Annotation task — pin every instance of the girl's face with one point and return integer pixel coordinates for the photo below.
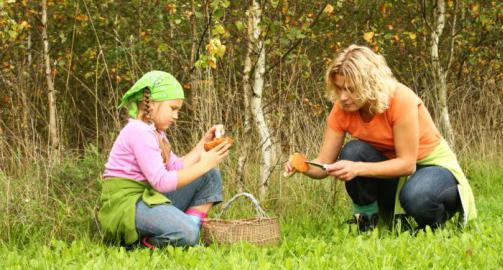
(165, 113)
(346, 94)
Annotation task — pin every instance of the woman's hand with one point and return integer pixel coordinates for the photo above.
(289, 169)
(213, 157)
(343, 169)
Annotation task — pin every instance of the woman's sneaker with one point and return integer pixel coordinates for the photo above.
(364, 222)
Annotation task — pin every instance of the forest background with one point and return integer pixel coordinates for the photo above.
(256, 66)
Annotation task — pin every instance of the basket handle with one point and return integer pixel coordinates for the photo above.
(260, 212)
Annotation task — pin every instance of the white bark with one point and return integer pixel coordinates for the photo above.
(51, 94)
(246, 93)
(256, 103)
(439, 73)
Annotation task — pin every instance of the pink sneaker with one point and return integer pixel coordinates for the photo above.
(145, 242)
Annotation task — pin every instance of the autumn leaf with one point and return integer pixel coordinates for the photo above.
(328, 9)
(382, 9)
(212, 62)
(474, 8)
(24, 24)
(81, 17)
(412, 36)
(368, 36)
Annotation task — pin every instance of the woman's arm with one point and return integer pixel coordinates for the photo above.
(329, 151)
(406, 139)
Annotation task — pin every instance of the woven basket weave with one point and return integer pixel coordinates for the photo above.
(261, 230)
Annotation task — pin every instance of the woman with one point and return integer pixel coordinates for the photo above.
(394, 136)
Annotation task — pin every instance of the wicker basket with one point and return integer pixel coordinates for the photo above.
(261, 230)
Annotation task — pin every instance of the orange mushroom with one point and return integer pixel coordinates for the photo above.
(210, 145)
(298, 161)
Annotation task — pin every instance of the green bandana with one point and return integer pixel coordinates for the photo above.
(162, 85)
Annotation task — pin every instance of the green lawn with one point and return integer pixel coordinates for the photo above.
(319, 240)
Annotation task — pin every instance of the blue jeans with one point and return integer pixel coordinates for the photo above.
(430, 195)
(168, 224)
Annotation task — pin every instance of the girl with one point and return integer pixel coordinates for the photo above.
(148, 192)
(394, 136)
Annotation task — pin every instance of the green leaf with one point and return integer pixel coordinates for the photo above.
(218, 13)
(240, 25)
(198, 14)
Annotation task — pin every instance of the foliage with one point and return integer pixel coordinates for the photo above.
(99, 48)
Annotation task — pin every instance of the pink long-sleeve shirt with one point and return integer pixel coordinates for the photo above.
(136, 155)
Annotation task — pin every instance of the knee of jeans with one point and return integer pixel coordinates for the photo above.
(190, 235)
(353, 149)
(214, 176)
(415, 204)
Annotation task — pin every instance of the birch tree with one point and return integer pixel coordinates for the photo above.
(51, 93)
(247, 96)
(256, 100)
(439, 72)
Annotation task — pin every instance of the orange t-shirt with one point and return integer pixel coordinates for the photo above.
(379, 131)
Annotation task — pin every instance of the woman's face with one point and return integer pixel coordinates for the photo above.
(346, 97)
(166, 113)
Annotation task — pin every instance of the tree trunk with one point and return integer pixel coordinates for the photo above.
(53, 128)
(2, 148)
(246, 93)
(193, 23)
(439, 74)
(23, 90)
(256, 103)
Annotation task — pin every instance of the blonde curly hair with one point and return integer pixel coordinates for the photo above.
(371, 79)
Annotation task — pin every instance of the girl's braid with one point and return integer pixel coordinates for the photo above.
(147, 117)
(147, 111)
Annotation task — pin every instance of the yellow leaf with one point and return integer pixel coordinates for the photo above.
(25, 24)
(220, 51)
(450, 3)
(212, 62)
(328, 9)
(474, 8)
(412, 36)
(368, 36)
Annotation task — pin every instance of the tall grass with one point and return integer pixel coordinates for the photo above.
(41, 203)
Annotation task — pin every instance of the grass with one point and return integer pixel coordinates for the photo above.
(58, 231)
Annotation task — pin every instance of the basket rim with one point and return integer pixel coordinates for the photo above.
(219, 220)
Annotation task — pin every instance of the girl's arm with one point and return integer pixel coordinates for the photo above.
(406, 139)
(207, 161)
(194, 155)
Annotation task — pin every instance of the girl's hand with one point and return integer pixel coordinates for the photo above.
(211, 133)
(213, 157)
(343, 169)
